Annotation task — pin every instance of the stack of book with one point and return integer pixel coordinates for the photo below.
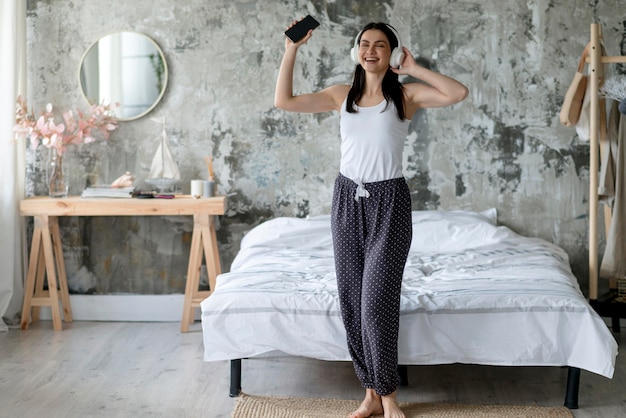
(108, 191)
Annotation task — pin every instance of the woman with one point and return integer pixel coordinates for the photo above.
(371, 208)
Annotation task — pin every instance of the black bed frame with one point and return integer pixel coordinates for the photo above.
(571, 394)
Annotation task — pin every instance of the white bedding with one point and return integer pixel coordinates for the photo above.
(472, 293)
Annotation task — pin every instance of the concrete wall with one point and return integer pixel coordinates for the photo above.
(503, 147)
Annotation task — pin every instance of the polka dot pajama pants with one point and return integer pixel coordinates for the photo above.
(371, 240)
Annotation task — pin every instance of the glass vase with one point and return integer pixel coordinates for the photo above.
(58, 183)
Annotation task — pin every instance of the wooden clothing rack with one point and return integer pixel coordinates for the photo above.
(605, 307)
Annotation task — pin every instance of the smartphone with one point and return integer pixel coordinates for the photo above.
(300, 29)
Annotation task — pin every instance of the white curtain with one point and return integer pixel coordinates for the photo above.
(12, 161)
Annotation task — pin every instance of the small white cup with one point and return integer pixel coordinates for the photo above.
(197, 188)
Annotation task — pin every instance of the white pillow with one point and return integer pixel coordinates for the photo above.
(434, 230)
(287, 232)
(442, 231)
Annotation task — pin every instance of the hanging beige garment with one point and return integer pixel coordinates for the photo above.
(606, 186)
(612, 191)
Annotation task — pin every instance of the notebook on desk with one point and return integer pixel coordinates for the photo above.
(107, 191)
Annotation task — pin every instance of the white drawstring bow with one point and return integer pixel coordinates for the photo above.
(360, 190)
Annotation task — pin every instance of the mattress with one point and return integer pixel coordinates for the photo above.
(473, 292)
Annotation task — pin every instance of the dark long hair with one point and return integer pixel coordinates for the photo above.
(392, 88)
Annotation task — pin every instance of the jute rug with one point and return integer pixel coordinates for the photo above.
(276, 407)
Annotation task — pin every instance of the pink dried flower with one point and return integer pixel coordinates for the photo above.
(76, 127)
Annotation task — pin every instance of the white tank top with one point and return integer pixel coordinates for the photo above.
(372, 142)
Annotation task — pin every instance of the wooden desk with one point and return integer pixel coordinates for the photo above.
(46, 254)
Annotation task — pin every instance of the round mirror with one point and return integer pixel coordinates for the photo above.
(126, 68)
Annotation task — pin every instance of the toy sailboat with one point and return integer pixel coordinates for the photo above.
(164, 174)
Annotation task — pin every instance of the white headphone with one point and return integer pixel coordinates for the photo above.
(397, 55)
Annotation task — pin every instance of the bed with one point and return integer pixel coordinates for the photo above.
(473, 292)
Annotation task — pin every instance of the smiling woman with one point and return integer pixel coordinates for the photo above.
(375, 113)
(126, 68)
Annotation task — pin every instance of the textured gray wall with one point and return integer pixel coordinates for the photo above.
(503, 147)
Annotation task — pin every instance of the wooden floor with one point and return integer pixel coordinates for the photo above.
(119, 369)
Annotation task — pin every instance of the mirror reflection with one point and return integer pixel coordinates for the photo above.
(126, 68)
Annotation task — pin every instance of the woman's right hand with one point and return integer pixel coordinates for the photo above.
(289, 43)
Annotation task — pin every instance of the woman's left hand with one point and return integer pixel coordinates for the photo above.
(407, 64)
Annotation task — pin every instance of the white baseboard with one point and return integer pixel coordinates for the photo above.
(126, 308)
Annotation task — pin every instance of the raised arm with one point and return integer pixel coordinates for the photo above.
(323, 101)
(439, 90)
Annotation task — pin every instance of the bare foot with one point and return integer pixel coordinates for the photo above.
(391, 407)
(371, 405)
